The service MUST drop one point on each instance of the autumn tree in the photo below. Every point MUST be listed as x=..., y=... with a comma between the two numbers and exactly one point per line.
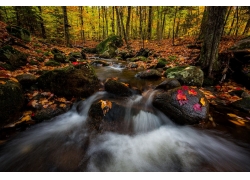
x=66, y=26
x=209, y=53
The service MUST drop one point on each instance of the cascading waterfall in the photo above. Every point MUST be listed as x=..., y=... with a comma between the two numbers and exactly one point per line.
x=66, y=144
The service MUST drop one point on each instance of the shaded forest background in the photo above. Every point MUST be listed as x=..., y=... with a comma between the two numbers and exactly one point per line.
x=75, y=25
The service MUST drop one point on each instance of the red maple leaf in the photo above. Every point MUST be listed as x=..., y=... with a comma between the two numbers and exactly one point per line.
x=192, y=92
x=185, y=87
x=179, y=91
x=181, y=97
x=197, y=107
x=75, y=63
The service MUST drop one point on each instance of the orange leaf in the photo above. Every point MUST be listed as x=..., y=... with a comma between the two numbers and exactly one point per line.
x=181, y=97
x=192, y=92
x=202, y=101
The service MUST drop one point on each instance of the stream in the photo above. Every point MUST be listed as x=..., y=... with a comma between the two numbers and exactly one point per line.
x=141, y=139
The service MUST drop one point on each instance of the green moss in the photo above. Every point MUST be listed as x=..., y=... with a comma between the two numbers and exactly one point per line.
x=32, y=62
x=52, y=63
x=175, y=69
x=110, y=42
x=19, y=32
x=47, y=53
x=172, y=58
x=138, y=58
x=161, y=63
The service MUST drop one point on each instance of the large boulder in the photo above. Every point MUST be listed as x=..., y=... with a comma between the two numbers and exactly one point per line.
x=26, y=80
x=19, y=32
x=184, y=105
x=77, y=81
x=186, y=75
x=12, y=57
x=243, y=104
x=149, y=74
x=118, y=88
x=59, y=56
x=109, y=46
x=240, y=61
x=167, y=84
x=75, y=56
x=11, y=101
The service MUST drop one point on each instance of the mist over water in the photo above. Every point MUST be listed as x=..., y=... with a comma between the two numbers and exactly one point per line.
x=66, y=144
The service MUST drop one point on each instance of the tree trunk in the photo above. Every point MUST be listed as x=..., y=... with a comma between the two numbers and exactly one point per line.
x=118, y=22
x=41, y=24
x=113, y=20
x=122, y=25
x=176, y=8
x=81, y=24
x=247, y=27
x=228, y=13
x=128, y=22
x=66, y=27
x=149, y=30
x=18, y=21
x=203, y=24
x=209, y=51
x=232, y=24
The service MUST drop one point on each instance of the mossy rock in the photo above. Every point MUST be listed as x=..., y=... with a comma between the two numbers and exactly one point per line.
x=13, y=57
x=19, y=32
x=242, y=44
x=186, y=75
x=60, y=57
x=110, y=45
x=161, y=63
x=149, y=74
x=11, y=101
x=71, y=81
x=6, y=66
x=52, y=63
x=138, y=58
x=26, y=80
x=32, y=62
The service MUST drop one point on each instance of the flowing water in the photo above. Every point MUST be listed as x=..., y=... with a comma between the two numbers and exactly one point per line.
x=151, y=143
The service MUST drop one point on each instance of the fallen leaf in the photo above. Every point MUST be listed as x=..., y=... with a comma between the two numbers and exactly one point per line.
x=2, y=82
x=13, y=79
x=197, y=107
x=179, y=91
x=202, y=101
x=185, y=88
x=181, y=97
x=26, y=118
x=237, y=122
x=62, y=105
x=192, y=92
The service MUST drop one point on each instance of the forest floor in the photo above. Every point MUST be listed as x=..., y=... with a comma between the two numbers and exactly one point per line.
x=184, y=56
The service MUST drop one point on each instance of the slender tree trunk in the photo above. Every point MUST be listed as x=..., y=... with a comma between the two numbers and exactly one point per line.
x=232, y=24
x=237, y=21
x=41, y=24
x=122, y=25
x=18, y=20
x=140, y=26
x=118, y=22
x=128, y=22
x=209, y=52
x=66, y=27
x=203, y=24
x=149, y=30
x=247, y=27
x=1, y=14
x=176, y=8
x=163, y=23
x=81, y=24
x=113, y=20
x=228, y=13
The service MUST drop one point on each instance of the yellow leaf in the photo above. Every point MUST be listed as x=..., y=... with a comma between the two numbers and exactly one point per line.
x=27, y=113
x=26, y=118
x=62, y=105
x=13, y=79
x=232, y=115
x=106, y=106
x=202, y=101
x=238, y=122
x=2, y=82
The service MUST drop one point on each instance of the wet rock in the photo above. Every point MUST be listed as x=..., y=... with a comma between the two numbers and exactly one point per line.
x=147, y=74
x=243, y=104
x=118, y=88
x=190, y=111
x=26, y=80
x=11, y=101
x=99, y=62
x=59, y=57
x=126, y=54
x=75, y=56
x=89, y=50
x=170, y=83
x=144, y=52
x=19, y=32
x=71, y=81
x=186, y=75
x=132, y=65
x=48, y=113
x=12, y=57
x=109, y=46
